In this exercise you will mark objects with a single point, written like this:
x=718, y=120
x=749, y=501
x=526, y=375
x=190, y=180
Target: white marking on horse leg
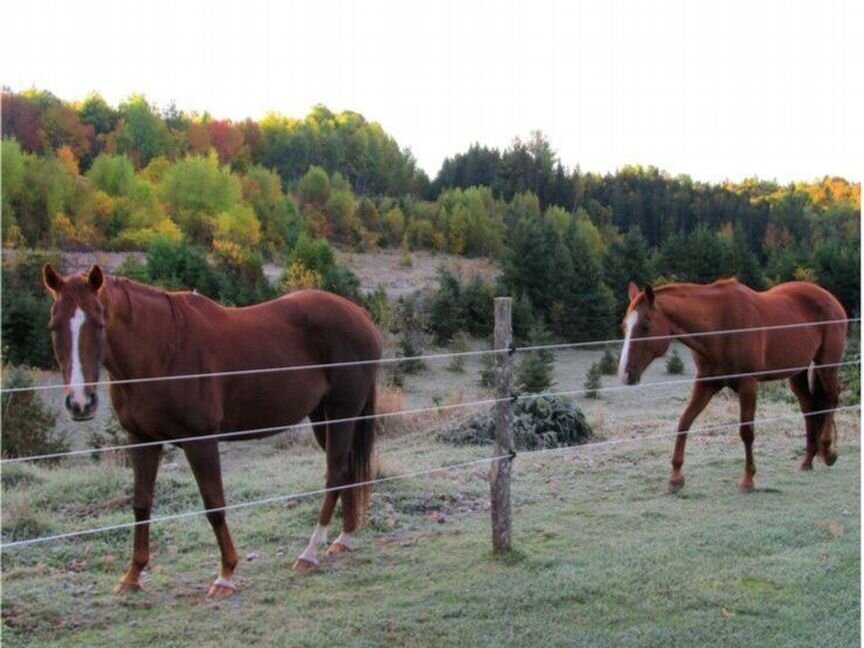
x=319, y=537
x=629, y=323
x=76, y=377
x=346, y=540
x=224, y=582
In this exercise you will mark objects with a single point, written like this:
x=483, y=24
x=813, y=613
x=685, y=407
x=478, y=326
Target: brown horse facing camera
x=682, y=310
x=136, y=331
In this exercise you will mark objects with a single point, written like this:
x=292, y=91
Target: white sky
x=715, y=89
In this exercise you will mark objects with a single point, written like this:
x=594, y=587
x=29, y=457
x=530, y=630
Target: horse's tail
x=362, y=458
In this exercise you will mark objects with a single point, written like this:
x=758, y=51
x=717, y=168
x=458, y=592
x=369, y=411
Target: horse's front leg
x=145, y=464
x=747, y=390
x=703, y=392
x=203, y=457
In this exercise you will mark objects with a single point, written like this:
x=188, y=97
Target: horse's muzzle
x=85, y=413
x=632, y=377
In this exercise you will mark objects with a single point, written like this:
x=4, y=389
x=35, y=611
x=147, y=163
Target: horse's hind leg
x=203, y=457
x=145, y=463
x=703, y=392
x=308, y=560
x=807, y=400
x=339, y=473
x=747, y=390
x=829, y=381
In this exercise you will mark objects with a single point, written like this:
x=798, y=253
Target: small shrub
x=19, y=475
x=180, y=266
x=487, y=370
x=22, y=522
x=608, y=363
x=674, y=363
x=112, y=435
x=379, y=307
x=446, y=315
x=534, y=373
x=541, y=422
x=240, y=275
x=27, y=424
x=341, y=281
x=409, y=348
x=459, y=344
x=390, y=400
x=133, y=269
x=592, y=381
x=26, y=309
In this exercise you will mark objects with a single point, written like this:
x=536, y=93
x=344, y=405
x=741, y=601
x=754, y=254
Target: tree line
x=132, y=177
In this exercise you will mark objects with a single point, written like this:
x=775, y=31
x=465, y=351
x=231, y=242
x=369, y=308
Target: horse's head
x=644, y=319
x=78, y=335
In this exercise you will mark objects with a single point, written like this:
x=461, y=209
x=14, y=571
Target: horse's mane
x=726, y=281
x=130, y=285
x=133, y=292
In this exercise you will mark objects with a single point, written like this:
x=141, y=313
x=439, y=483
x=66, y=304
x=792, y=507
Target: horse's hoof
x=303, y=566
x=222, y=588
x=337, y=548
x=831, y=459
x=676, y=485
x=126, y=587
x=745, y=488
x=807, y=465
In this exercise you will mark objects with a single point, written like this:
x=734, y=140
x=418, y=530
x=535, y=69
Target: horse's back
x=809, y=299
x=305, y=328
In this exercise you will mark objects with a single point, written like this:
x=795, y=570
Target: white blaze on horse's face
x=76, y=373
x=629, y=325
x=78, y=336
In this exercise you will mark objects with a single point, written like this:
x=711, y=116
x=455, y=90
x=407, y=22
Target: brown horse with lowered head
x=685, y=310
x=136, y=331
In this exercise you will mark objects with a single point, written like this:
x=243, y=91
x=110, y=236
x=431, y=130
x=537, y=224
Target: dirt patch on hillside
x=387, y=268
x=399, y=275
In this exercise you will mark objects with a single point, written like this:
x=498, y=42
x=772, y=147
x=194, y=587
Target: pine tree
x=608, y=363
x=627, y=259
x=587, y=302
x=534, y=373
x=674, y=363
x=592, y=381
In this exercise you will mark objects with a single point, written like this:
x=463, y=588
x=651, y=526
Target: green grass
x=602, y=555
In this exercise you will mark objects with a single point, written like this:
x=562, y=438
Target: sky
x=716, y=90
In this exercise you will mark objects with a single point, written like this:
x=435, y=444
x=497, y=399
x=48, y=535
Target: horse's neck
x=138, y=326
x=689, y=311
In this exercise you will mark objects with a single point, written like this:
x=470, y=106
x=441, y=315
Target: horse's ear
x=95, y=278
x=53, y=281
x=649, y=295
x=632, y=291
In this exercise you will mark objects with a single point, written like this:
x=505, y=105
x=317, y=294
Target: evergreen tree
x=626, y=259
x=534, y=373
x=593, y=380
x=674, y=363
x=587, y=303
x=743, y=262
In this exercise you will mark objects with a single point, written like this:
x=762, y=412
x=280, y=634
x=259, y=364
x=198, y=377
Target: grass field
x=602, y=555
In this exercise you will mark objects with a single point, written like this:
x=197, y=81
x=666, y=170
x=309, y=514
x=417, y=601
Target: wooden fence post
x=500, y=471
